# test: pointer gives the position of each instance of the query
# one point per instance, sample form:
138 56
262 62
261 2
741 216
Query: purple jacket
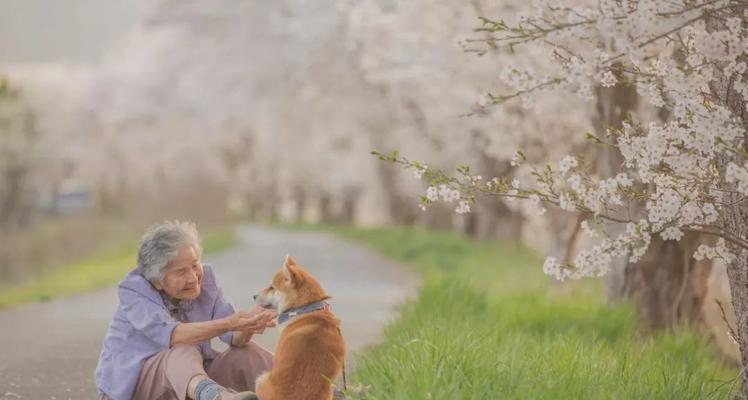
142 327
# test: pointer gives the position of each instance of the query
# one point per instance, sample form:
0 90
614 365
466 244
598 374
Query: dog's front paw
260 381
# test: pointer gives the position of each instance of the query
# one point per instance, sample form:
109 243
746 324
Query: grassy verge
101 269
488 325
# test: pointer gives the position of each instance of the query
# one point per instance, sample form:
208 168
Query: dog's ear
290 261
289 269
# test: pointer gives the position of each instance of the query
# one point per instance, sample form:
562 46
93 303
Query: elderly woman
158 343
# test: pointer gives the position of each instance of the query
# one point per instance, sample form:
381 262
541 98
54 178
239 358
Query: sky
67 31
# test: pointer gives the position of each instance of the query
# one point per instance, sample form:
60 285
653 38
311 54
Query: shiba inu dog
310 351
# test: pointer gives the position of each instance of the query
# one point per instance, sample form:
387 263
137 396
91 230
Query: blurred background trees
268 110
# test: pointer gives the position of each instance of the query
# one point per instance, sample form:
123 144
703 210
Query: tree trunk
613 105
348 211
668 285
736 222
300 197
325 208
10 201
735 216
492 219
402 209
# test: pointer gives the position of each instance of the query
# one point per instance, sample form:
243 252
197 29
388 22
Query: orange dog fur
310 351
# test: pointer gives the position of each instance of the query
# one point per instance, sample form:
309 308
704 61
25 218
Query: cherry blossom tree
405 49
264 97
683 168
19 136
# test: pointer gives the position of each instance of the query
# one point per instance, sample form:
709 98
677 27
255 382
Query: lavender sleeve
222 309
149 318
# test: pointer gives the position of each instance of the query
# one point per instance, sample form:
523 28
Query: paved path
49 350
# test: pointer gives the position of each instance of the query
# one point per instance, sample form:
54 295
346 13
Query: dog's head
291 287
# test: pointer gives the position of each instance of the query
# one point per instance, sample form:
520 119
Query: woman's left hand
242 338
270 321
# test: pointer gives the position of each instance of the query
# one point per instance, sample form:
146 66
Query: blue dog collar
292 312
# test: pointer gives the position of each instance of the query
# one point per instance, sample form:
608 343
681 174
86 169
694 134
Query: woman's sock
207 389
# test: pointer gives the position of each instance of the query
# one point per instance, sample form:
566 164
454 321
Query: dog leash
345 384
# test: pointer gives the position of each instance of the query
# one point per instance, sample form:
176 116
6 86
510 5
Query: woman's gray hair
160 244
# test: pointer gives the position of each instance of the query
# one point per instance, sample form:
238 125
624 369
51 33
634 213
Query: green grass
488 325
104 268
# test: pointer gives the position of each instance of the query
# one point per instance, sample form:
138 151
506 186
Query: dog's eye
271 287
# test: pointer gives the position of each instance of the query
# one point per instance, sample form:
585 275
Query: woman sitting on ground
157 346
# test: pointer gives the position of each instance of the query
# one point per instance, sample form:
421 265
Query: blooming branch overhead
683 167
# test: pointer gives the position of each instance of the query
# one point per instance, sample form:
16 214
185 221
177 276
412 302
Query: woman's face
184 275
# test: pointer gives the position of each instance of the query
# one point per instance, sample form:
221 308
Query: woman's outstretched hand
250 322
269 321
254 321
